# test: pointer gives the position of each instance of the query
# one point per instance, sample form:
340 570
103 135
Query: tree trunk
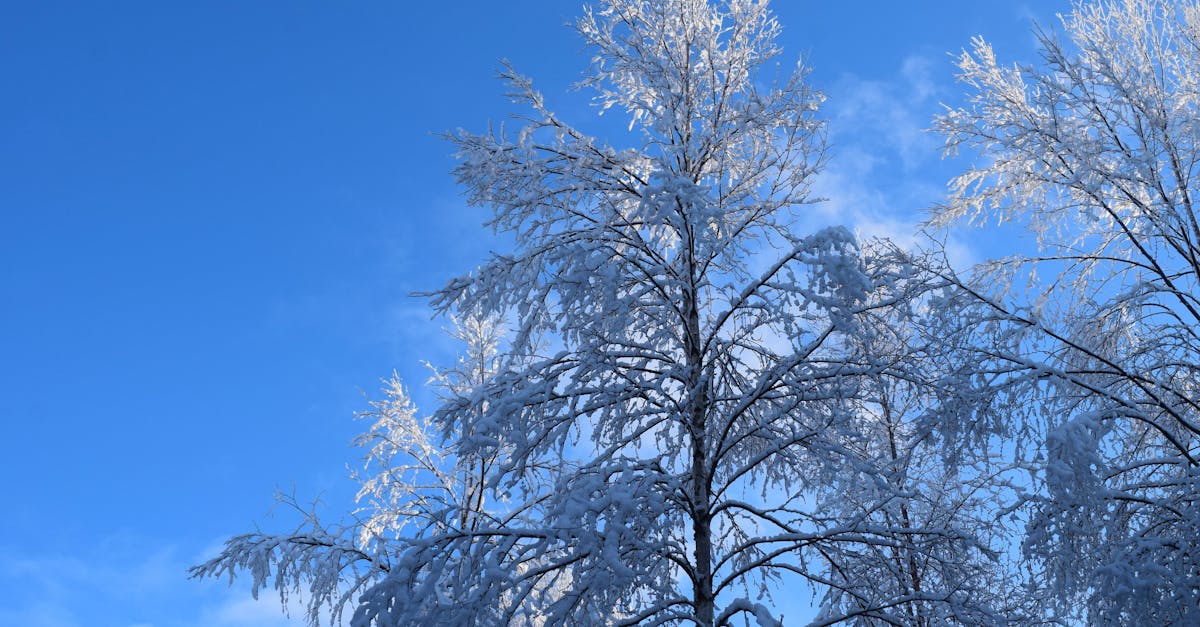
703 598
702 535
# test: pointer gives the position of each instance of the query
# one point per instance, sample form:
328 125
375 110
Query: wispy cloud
132 582
886 168
246 611
890 115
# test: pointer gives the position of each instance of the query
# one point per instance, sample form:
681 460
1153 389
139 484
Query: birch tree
1095 150
698 408
408 479
682 367
919 464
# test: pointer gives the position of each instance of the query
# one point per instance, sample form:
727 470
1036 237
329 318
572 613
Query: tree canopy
675 406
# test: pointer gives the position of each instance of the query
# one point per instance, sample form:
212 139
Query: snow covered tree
680 387
1096 150
697 407
408 480
919 465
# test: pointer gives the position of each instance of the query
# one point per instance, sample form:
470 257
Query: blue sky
211 217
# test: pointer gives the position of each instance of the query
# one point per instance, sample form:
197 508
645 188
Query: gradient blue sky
211 217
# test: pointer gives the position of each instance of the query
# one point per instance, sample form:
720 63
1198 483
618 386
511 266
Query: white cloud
38 614
246 611
889 117
886 168
130 582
